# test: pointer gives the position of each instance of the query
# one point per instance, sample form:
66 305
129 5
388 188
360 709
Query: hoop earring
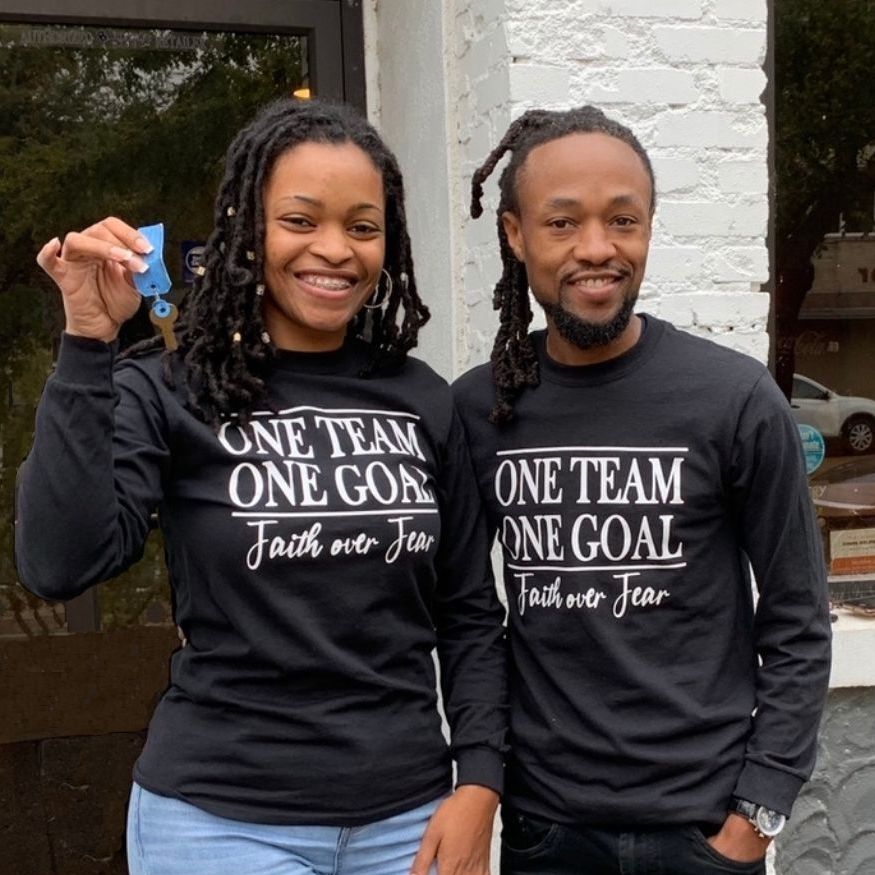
387 293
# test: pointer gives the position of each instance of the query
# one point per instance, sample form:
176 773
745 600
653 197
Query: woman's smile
324 243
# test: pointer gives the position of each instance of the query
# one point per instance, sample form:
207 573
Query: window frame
333 28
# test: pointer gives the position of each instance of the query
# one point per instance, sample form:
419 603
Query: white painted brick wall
646 8
479 74
708 45
686 76
712 219
703 129
736 177
651 84
675 174
741 85
537 84
740 10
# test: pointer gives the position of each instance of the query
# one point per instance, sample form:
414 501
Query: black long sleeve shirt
631 498
317 555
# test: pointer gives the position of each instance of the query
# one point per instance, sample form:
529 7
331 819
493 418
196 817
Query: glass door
110 112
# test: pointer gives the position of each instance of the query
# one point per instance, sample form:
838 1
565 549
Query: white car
835 416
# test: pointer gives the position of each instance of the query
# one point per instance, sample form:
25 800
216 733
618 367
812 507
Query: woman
321 523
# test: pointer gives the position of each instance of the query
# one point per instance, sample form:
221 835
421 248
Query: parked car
835 416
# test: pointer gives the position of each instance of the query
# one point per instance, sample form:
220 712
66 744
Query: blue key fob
156 280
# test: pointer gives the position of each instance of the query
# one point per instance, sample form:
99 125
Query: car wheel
859 434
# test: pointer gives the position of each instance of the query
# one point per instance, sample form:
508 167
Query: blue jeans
170 837
530 846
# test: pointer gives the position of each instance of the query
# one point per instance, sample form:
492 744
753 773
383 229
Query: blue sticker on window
813 446
192 258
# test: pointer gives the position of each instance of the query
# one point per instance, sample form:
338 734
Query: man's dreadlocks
222 342
514 361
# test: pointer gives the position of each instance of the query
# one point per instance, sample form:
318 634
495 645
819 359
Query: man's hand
459 834
739 841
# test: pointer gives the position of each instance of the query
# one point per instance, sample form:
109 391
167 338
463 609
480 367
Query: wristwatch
766 822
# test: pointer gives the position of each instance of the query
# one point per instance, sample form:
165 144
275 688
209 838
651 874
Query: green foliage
824 130
824 115
96 123
23 366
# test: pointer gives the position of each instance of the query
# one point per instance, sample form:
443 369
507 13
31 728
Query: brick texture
686 76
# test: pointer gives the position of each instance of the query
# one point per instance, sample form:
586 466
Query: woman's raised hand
93 268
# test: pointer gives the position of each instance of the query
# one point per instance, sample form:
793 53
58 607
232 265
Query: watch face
769 822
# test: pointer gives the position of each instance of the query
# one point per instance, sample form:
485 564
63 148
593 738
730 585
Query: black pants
535 847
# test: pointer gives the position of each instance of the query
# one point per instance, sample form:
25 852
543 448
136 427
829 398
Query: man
663 719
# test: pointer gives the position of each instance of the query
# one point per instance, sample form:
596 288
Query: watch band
744 808
766 822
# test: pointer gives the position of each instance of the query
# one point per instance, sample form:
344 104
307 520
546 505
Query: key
162 315
155 281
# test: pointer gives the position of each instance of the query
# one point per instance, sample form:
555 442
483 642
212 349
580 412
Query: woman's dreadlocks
223 347
514 361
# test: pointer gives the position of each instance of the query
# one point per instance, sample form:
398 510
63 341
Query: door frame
334 28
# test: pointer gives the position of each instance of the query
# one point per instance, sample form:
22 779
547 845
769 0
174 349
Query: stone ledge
853 651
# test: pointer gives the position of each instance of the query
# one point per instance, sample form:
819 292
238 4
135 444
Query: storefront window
96 121
825 269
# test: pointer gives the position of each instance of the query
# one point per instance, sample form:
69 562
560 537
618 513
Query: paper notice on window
852 551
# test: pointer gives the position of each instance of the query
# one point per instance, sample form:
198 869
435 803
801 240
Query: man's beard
584 334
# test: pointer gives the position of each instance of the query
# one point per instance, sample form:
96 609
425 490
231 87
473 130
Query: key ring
155 282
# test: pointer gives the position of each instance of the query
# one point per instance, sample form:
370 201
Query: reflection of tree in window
99 121
825 131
